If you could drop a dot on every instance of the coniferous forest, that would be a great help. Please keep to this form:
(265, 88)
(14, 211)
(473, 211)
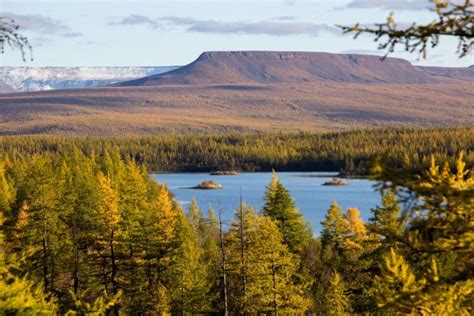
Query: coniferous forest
(351, 152)
(86, 231)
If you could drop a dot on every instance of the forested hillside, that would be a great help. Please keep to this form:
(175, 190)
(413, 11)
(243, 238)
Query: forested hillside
(350, 152)
(87, 232)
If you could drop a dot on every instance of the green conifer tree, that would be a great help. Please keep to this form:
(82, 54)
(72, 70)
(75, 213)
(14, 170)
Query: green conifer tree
(334, 227)
(279, 205)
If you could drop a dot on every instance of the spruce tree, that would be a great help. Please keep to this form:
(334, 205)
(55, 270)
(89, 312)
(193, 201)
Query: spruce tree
(334, 227)
(279, 205)
(195, 217)
(387, 219)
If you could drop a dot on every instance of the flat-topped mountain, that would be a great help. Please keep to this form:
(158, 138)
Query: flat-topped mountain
(261, 67)
(253, 91)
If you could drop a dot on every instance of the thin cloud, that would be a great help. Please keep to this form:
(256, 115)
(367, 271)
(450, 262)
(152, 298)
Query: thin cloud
(269, 27)
(41, 41)
(364, 52)
(284, 18)
(393, 4)
(38, 23)
(72, 34)
(136, 19)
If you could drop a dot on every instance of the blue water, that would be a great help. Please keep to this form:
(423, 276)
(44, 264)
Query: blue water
(311, 197)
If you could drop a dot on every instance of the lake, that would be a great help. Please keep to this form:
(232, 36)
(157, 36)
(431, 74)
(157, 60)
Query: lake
(311, 197)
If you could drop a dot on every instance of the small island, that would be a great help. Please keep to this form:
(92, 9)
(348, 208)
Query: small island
(224, 173)
(336, 182)
(208, 185)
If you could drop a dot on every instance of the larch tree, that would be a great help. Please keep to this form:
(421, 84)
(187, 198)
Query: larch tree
(261, 267)
(336, 302)
(159, 240)
(454, 20)
(10, 35)
(44, 233)
(208, 236)
(428, 268)
(345, 242)
(238, 245)
(7, 191)
(188, 280)
(78, 201)
(109, 233)
(18, 295)
(271, 273)
(133, 205)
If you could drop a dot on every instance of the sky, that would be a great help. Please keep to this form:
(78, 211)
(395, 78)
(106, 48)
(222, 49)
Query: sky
(162, 33)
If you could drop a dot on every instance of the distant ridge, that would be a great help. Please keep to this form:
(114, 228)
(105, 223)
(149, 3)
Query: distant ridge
(53, 78)
(265, 67)
(4, 88)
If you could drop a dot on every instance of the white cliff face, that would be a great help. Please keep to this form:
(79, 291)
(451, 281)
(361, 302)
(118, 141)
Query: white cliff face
(52, 78)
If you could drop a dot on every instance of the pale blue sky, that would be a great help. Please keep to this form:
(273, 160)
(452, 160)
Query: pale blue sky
(138, 33)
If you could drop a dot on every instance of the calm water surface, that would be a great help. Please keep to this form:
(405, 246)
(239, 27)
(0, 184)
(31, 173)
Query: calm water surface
(311, 197)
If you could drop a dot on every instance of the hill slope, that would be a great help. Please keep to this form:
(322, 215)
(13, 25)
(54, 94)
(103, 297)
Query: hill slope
(249, 91)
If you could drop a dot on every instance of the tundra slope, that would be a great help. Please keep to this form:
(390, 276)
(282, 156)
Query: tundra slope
(253, 91)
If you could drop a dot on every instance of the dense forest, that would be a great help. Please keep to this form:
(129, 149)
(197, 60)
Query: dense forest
(86, 231)
(351, 152)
